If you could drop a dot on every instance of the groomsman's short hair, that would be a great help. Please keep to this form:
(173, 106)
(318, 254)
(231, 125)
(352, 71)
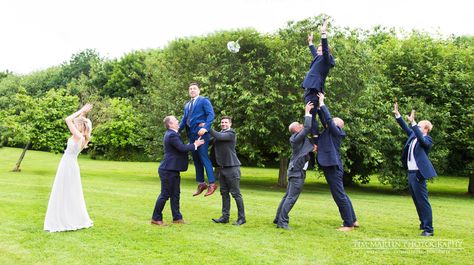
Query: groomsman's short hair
(166, 121)
(227, 118)
(194, 84)
(427, 124)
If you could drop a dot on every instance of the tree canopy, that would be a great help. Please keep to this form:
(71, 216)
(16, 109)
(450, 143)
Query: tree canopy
(260, 88)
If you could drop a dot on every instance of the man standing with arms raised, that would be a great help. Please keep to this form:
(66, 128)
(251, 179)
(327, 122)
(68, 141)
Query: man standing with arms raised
(329, 158)
(197, 120)
(415, 159)
(301, 147)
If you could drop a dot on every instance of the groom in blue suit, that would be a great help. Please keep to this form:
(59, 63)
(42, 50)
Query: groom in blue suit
(197, 120)
(174, 161)
(415, 159)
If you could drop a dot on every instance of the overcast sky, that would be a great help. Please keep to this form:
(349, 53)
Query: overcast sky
(37, 34)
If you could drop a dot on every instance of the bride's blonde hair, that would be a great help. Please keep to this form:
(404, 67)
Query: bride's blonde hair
(86, 129)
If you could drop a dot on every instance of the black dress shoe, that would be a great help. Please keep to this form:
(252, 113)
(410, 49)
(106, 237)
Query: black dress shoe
(425, 233)
(239, 222)
(312, 160)
(220, 220)
(284, 227)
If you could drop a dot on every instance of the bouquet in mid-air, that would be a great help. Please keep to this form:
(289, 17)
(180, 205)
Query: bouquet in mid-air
(234, 46)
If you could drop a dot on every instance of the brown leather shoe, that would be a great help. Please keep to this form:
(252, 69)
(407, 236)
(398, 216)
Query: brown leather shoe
(211, 189)
(356, 225)
(160, 223)
(180, 221)
(346, 228)
(201, 187)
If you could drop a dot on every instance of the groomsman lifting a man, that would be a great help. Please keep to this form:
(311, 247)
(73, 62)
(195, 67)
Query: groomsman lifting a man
(301, 147)
(329, 159)
(174, 161)
(229, 164)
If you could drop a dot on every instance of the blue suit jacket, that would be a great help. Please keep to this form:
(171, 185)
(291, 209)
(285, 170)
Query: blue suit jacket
(319, 68)
(176, 152)
(201, 112)
(329, 141)
(421, 150)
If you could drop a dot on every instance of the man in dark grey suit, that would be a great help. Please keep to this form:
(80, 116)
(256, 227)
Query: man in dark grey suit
(229, 179)
(301, 147)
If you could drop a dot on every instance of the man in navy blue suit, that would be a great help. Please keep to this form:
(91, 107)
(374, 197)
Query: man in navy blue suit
(415, 159)
(175, 160)
(329, 158)
(197, 120)
(314, 80)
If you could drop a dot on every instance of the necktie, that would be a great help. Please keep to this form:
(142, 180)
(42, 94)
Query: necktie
(410, 149)
(190, 111)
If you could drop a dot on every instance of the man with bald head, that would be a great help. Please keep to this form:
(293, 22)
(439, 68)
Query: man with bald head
(175, 160)
(329, 158)
(301, 147)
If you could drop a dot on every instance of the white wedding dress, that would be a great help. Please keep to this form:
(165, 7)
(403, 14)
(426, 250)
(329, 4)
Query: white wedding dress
(67, 208)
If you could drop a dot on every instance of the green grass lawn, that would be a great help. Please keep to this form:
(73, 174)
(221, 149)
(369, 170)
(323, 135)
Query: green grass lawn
(120, 197)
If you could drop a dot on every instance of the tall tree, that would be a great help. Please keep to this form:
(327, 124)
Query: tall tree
(39, 122)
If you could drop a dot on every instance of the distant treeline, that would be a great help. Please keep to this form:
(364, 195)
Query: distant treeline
(260, 88)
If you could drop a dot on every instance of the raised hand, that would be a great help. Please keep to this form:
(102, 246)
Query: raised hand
(411, 118)
(86, 108)
(309, 106)
(395, 109)
(310, 38)
(324, 26)
(321, 98)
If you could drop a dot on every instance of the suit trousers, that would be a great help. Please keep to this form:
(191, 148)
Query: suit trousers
(229, 181)
(419, 193)
(201, 159)
(333, 176)
(170, 188)
(312, 95)
(293, 191)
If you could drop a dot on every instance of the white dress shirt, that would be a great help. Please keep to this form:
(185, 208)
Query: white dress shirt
(411, 163)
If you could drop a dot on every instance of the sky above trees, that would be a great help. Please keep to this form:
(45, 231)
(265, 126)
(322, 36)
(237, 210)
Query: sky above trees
(40, 34)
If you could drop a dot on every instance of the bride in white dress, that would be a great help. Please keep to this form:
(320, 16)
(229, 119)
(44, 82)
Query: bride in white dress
(66, 207)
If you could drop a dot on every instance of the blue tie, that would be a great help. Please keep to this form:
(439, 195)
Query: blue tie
(190, 111)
